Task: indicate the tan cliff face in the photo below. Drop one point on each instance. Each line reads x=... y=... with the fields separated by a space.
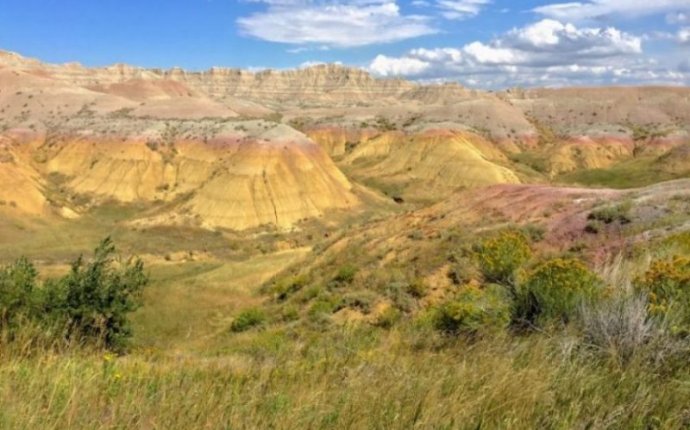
x=320 y=84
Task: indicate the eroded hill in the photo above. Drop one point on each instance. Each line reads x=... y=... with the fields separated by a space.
x=237 y=150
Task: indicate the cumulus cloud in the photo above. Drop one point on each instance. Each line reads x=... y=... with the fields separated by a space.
x=339 y=23
x=601 y=9
x=548 y=52
x=404 y=66
x=545 y=43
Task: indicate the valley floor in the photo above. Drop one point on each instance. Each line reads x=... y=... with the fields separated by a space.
x=187 y=369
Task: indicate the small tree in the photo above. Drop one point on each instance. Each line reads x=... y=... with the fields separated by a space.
x=91 y=303
x=17 y=292
x=97 y=296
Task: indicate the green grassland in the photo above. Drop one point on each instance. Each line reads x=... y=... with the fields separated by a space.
x=634 y=173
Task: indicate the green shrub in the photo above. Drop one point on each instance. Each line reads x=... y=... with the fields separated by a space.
x=324 y=305
x=17 y=292
x=98 y=295
x=554 y=290
x=534 y=232
x=346 y=274
x=594 y=226
x=91 y=303
x=309 y=293
x=611 y=214
x=284 y=288
x=248 y=319
x=398 y=293
x=361 y=300
x=500 y=256
x=666 y=284
x=322 y=308
x=474 y=311
x=679 y=243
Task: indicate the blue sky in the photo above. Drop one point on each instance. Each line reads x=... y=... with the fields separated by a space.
x=481 y=43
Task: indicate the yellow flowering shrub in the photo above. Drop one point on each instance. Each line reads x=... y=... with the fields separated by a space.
x=554 y=289
x=667 y=286
x=501 y=255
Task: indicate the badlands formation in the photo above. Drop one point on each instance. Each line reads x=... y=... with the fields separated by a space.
x=237 y=150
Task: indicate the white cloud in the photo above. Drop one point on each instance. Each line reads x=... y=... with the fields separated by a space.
x=678 y=18
x=487 y=54
x=684 y=36
x=658 y=35
x=406 y=66
x=548 y=52
x=549 y=42
x=461 y=9
x=310 y=64
x=599 y=9
x=339 y=23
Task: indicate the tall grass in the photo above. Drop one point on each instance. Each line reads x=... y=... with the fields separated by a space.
x=349 y=378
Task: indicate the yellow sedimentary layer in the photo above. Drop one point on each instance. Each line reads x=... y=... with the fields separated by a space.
x=21 y=188
x=587 y=153
x=228 y=182
x=443 y=159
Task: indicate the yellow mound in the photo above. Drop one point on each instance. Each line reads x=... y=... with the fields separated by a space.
x=231 y=182
x=588 y=153
x=335 y=140
x=677 y=160
x=21 y=188
x=274 y=184
x=437 y=160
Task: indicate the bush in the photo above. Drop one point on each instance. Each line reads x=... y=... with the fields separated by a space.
x=99 y=295
x=666 y=284
x=554 y=290
x=287 y=287
x=92 y=302
x=361 y=300
x=534 y=232
x=474 y=312
x=611 y=214
x=17 y=292
x=594 y=226
x=500 y=256
x=618 y=328
x=248 y=319
x=346 y=274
